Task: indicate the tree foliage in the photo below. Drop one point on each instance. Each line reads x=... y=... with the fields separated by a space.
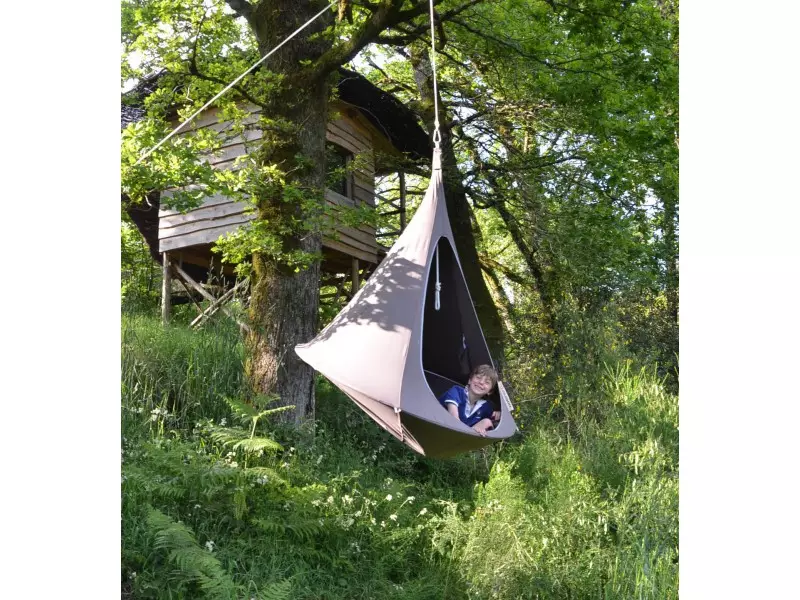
x=563 y=118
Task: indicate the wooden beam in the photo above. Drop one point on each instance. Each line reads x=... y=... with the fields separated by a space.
x=217 y=304
x=190 y=295
x=354 y=277
x=166 y=289
x=402 y=177
x=207 y=296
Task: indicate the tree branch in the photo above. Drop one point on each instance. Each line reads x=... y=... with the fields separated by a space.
x=489 y=264
x=241 y=7
x=388 y=14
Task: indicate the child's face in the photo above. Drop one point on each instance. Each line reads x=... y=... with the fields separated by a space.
x=480 y=384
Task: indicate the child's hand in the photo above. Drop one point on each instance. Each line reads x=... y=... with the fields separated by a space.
x=483 y=426
x=496 y=415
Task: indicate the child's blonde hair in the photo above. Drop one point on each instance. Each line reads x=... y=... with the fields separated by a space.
x=486 y=371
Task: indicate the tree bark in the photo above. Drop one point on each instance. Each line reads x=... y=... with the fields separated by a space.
x=668 y=197
x=458 y=210
x=284 y=302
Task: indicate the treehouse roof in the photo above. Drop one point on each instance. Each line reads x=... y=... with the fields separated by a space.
x=386 y=113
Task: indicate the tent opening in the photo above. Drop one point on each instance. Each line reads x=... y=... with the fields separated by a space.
x=452 y=341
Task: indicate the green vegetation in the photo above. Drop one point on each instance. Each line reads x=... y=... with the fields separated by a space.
x=559 y=125
x=220 y=502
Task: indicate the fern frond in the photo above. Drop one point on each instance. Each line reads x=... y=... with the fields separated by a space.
x=303 y=530
x=168 y=533
x=272 y=411
x=227 y=435
x=257 y=444
x=193 y=562
x=241 y=409
x=277 y=591
x=262 y=400
x=259 y=472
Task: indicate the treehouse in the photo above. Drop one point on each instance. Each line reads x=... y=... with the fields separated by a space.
x=371 y=135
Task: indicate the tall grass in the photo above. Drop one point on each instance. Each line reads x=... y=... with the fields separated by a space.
x=582 y=504
x=177 y=371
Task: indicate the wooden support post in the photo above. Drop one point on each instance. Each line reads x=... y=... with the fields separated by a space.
x=207 y=296
x=354 y=277
x=402 y=176
x=166 y=289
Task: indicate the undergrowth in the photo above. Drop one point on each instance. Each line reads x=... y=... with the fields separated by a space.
x=219 y=501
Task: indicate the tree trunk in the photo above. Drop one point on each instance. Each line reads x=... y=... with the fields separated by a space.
x=671 y=252
x=284 y=302
x=459 y=211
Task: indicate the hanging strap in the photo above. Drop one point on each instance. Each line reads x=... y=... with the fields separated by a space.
x=237 y=80
x=437 y=136
x=438 y=303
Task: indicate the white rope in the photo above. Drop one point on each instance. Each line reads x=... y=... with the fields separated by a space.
x=235 y=81
x=437 y=136
x=438 y=303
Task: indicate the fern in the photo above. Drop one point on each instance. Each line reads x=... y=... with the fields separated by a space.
x=251 y=412
x=254 y=445
x=264 y=473
x=303 y=530
x=239 y=439
x=193 y=562
x=277 y=591
x=241 y=409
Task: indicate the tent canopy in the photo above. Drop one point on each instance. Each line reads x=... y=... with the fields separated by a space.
x=393 y=353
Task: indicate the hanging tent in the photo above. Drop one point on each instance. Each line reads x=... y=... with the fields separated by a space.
x=411 y=332
x=393 y=351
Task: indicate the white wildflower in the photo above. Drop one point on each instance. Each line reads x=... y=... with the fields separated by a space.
x=383 y=523
x=197 y=506
x=347 y=499
x=223 y=421
x=388 y=497
x=410 y=499
x=357 y=513
x=423 y=511
x=210 y=545
x=393 y=517
x=133 y=574
x=329 y=500
x=319 y=460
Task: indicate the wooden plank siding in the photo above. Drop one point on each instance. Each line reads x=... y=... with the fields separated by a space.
x=219 y=215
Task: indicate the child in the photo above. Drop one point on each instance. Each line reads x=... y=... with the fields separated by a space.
x=467 y=404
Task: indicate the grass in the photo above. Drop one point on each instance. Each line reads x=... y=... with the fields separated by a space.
x=580 y=507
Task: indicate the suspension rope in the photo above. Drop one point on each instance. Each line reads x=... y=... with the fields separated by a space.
x=437 y=136
x=438 y=304
x=237 y=80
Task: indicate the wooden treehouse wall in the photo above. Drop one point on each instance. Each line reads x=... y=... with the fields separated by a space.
x=193 y=232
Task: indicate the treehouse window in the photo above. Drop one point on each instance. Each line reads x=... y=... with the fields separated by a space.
x=338 y=171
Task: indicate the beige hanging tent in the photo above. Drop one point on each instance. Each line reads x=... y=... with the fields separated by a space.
x=409 y=335
x=411 y=332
